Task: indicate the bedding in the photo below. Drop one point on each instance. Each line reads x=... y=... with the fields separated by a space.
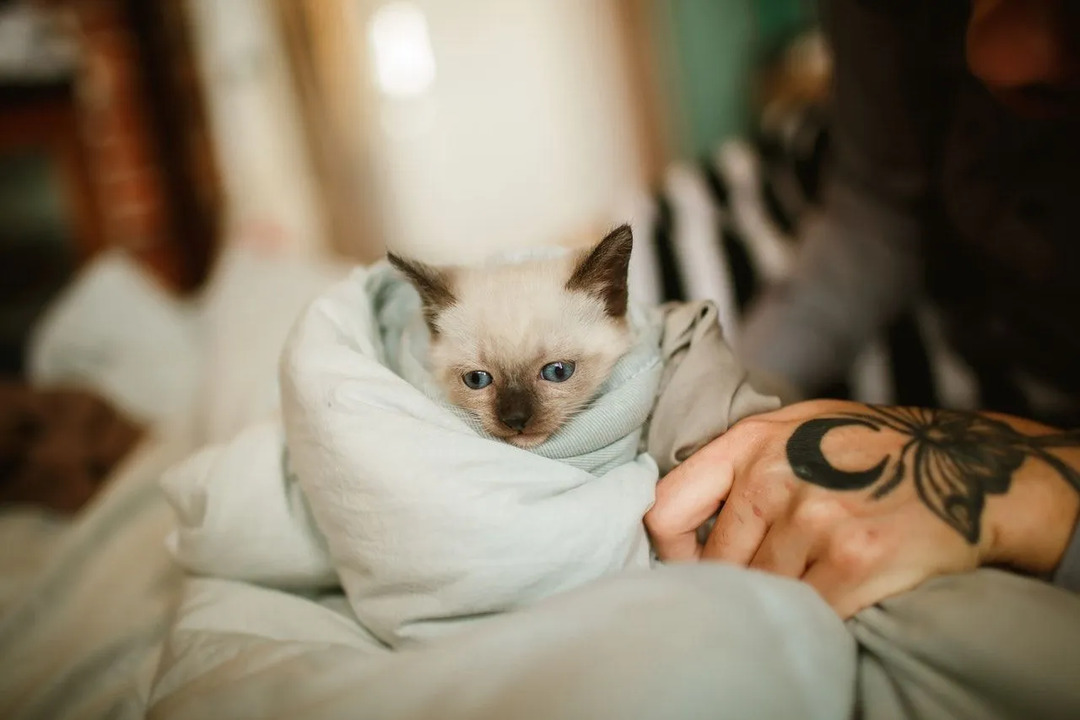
x=86 y=602
x=642 y=644
x=115 y=332
x=80 y=638
x=109 y=625
x=429 y=523
x=57 y=446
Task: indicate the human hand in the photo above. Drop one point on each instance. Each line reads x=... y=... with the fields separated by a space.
x=865 y=502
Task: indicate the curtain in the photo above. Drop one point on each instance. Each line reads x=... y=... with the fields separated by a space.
x=324 y=43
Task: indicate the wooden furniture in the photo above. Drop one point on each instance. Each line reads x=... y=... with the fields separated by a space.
x=50 y=219
x=44 y=117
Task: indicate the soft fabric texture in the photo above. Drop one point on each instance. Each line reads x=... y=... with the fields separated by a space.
x=108 y=626
x=80 y=636
x=430 y=523
x=241 y=515
x=690 y=642
x=58 y=446
x=115 y=332
x=252 y=302
x=704 y=389
x=987 y=645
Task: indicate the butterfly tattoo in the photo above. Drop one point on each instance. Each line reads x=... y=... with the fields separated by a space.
x=955 y=458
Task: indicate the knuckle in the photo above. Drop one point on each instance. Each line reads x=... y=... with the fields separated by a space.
x=764 y=491
x=754 y=431
x=658 y=521
x=664 y=521
x=765 y=559
x=816 y=514
x=855 y=551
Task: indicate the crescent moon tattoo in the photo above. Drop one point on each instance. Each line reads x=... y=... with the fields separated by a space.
x=955 y=459
x=808 y=462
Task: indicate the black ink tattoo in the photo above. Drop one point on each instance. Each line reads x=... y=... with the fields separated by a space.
x=956 y=458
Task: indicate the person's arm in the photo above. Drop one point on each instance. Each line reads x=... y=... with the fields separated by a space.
x=859 y=261
x=863 y=502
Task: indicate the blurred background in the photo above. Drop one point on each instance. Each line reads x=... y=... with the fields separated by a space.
x=170 y=130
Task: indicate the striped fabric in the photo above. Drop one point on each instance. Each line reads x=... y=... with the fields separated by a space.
x=724 y=229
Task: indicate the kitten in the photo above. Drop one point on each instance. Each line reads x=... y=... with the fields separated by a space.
x=524 y=346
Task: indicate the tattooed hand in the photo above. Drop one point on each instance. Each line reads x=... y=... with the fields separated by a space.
x=864 y=502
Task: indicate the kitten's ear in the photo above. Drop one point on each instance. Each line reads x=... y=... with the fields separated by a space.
x=432 y=283
x=603 y=271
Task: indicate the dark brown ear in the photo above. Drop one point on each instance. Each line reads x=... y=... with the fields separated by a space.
x=432 y=283
x=603 y=272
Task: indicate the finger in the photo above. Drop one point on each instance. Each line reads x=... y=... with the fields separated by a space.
x=685 y=498
x=853 y=569
x=803 y=532
x=784 y=551
x=754 y=505
x=740 y=527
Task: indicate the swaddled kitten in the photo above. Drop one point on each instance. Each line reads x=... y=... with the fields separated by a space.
x=524 y=346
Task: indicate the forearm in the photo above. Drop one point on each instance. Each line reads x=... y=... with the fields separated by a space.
x=1009 y=487
x=1034 y=522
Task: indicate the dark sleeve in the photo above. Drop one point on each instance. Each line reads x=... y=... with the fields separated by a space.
x=859 y=262
x=1068 y=572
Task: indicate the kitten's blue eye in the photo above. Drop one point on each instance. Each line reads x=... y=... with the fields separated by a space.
x=476 y=379
x=557 y=371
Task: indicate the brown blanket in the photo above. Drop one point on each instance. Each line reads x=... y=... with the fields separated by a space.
x=57 y=446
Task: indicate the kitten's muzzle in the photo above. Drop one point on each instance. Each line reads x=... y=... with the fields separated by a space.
x=516 y=421
x=514 y=408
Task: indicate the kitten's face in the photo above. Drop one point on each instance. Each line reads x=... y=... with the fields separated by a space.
x=525 y=346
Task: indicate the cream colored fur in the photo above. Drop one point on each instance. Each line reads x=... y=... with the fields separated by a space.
x=512 y=319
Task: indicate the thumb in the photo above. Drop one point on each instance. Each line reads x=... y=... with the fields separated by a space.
x=687 y=497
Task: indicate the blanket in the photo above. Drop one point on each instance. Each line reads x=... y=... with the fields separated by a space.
x=689 y=642
x=428 y=523
x=108 y=627
x=87 y=602
x=58 y=445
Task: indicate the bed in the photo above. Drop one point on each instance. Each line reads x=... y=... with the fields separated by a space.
x=98 y=620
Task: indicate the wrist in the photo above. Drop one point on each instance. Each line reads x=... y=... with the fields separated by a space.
x=1030 y=527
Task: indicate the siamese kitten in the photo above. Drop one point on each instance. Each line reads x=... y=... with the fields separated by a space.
x=524 y=346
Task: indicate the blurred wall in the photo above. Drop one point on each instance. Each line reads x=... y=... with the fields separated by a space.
x=525 y=134
x=711 y=51
x=264 y=164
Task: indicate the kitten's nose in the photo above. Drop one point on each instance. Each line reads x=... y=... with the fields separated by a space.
x=515 y=420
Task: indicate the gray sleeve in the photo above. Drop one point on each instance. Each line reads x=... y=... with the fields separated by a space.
x=860 y=260
x=1067 y=574
x=989 y=645
x=704 y=390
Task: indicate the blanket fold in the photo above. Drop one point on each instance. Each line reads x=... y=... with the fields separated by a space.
x=241 y=515
x=372 y=479
x=704 y=389
x=430 y=523
x=681 y=642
